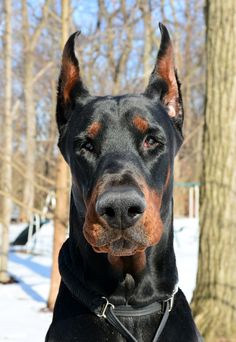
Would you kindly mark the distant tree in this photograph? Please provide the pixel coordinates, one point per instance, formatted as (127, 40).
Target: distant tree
(214, 300)
(30, 40)
(62, 173)
(145, 8)
(6, 172)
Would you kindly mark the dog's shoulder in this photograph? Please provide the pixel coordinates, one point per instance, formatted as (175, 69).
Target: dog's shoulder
(180, 325)
(82, 328)
(72, 321)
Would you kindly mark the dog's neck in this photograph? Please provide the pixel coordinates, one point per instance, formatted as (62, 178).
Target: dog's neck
(120, 278)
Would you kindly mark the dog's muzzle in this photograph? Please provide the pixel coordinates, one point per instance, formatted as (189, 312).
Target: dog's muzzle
(123, 220)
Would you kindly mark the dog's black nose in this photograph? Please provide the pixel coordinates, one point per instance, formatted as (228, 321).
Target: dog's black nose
(121, 206)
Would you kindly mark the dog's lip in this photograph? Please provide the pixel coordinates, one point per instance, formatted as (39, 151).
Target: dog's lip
(123, 247)
(120, 247)
(122, 244)
(123, 253)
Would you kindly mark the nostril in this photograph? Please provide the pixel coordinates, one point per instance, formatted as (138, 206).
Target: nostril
(134, 211)
(110, 212)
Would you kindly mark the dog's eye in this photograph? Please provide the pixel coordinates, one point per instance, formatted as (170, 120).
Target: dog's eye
(87, 145)
(150, 142)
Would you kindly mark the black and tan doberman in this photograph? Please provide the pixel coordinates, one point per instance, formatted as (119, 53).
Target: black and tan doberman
(118, 268)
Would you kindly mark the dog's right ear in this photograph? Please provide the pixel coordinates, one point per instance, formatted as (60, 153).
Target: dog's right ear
(70, 85)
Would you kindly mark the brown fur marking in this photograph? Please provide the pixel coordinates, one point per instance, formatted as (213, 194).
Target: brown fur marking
(92, 229)
(70, 75)
(94, 129)
(165, 69)
(152, 219)
(140, 123)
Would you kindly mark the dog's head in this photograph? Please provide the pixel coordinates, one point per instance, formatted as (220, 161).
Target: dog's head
(120, 150)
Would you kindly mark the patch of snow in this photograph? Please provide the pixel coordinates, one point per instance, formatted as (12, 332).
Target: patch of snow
(186, 234)
(21, 304)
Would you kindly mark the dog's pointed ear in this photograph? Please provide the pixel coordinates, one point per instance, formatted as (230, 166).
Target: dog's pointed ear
(70, 85)
(164, 81)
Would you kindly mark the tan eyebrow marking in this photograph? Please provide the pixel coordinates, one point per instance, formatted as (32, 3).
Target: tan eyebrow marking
(140, 123)
(94, 129)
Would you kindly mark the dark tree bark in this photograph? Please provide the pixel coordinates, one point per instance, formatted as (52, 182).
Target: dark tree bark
(214, 300)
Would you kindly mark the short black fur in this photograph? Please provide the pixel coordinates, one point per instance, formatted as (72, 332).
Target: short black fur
(120, 150)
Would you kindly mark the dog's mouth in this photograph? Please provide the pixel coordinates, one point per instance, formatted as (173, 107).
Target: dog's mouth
(125, 249)
(120, 247)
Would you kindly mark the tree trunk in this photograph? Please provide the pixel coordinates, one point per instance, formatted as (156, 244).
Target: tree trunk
(29, 110)
(30, 41)
(147, 22)
(7, 138)
(61, 210)
(214, 300)
(30, 135)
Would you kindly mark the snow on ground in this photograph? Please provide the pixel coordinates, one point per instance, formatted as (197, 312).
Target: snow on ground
(21, 305)
(186, 249)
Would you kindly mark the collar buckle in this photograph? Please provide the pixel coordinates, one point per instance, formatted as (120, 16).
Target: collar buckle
(104, 307)
(168, 303)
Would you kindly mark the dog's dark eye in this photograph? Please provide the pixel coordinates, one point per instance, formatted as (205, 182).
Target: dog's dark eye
(150, 142)
(87, 145)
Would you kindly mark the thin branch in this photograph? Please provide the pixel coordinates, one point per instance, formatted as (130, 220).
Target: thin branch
(41, 72)
(40, 26)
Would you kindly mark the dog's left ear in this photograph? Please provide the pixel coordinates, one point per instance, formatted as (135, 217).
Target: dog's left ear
(164, 81)
(70, 84)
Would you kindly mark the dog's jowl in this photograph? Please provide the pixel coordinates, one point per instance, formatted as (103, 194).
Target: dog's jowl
(119, 277)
